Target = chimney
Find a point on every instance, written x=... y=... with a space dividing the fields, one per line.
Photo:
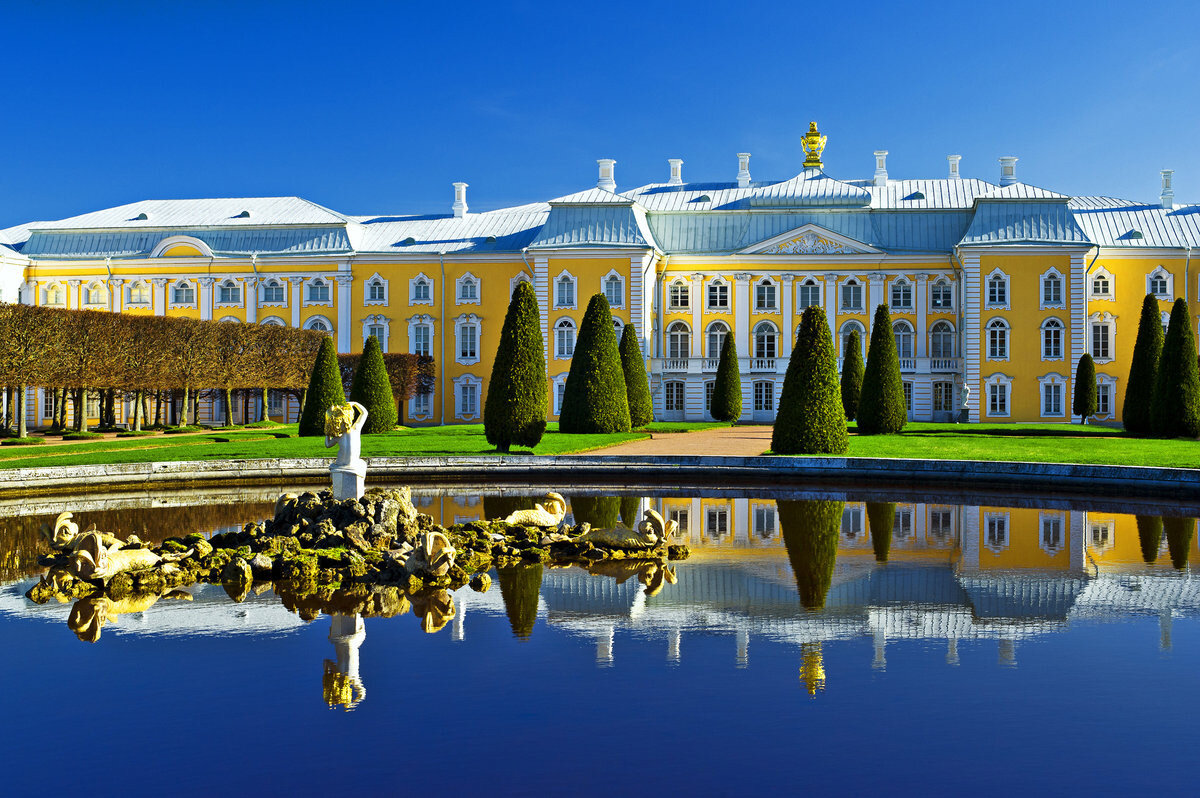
x=881 y=167
x=460 y=200
x=676 y=172
x=954 y=159
x=1008 y=170
x=743 y=176
x=606 y=180
x=1168 y=193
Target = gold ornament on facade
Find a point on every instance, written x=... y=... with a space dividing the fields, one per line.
x=814 y=145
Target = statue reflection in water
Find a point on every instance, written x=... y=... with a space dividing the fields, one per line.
x=88 y=616
x=810 y=534
x=342 y=685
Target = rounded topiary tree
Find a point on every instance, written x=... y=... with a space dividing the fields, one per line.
x=1179 y=532
x=852 y=375
x=727 y=388
x=881 y=517
x=515 y=409
x=519 y=587
x=1175 y=412
x=324 y=390
x=1084 y=404
x=637 y=381
x=595 y=399
x=881 y=407
x=1136 y=412
x=810 y=535
x=810 y=419
x=1150 y=530
x=372 y=389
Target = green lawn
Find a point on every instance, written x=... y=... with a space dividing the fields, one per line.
x=265 y=443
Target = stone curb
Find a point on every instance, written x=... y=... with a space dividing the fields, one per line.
x=1056 y=477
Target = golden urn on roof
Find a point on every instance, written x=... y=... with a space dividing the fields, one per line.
x=814 y=145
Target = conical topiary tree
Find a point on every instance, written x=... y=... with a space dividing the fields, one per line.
x=324 y=390
x=881 y=407
x=810 y=535
x=1180 y=532
x=852 y=375
x=1084 y=404
x=515 y=409
x=595 y=399
x=372 y=389
x=727 y=388
x=810 y=419
x=519 y=587
x=630 y=505
x=1175 y=412
x=637 y=382
x=600 y=512
x=1136 y=412
x=881 y=517
x=1150 y=530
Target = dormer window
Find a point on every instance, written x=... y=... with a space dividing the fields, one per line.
x=318 y=290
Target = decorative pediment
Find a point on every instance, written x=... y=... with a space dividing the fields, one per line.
x=811 y=239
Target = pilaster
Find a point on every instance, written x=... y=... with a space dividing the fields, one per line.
x=344 y=335
x=788 y=323
x=115 y=296
x=159 y=295
x=876 y=295
x=831 y=305
x=970 y=299
x=297 y=295
x=206 y=298
x=250 y=287
x=73 y=296
x=697 y=315
x=741 y=311
x=922 y=315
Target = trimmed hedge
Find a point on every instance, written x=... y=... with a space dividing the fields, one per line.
x=515 y=409
x=22 y=441
x=1136 y=412
x=727 y=389
x=1084 y=402
x=1180 y=532
x=519 y=587
x=324 y=391
x=595 y=399
x=852 y=375
x=372 y=388
x=881 y=407
x=1150 y=531
x=881 y=517
x=811 y=419
x=82 y=436
x=810 y=534
x=1175 y=412
x=637 y=380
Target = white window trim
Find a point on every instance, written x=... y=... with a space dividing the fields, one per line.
x=459 y=382
x=953 y=338
x=667 y=339
x=953 y=296
x=468 y=320
x=1062 y=286
x=708 y=329
x=1110 y=321
x=811 y=282
x=771 y=311
x=986 y=399
x=1062 y=339
x=708 y=307
x=687 y=292
x=1110 y=527
x=774 y=333
x=413 y=413
x=183 y=284
x=1007 y=304
x=558 y=278
x=1046 y=380
x=912 y=334
x=306 y=291
x=380 y=320
x=412 y=290
x=1111 y=382
x=273 y=320
x=519 y=277
x=1111 y=296
x=770 y=508
x=262 y=292
x=554 y=338
x=987 y=518
x=87 y=288
x=421 y=320
x=843 y=331
x=240 y=302
x=376 y=279
x=987 y=343
x=1063 y=529
x=911 y=307
x=62 y=287
x=129 y=294
x=604 y=281
x=841 y=296
x=308 y=323
x=555 y=382
x=1159 y=271
x=458 y=284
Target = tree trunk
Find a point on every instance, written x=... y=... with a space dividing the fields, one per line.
x=81 y=424
x=137 y=412
x=228 y=408
x=263 y=414
x=187 y=397
x=21 y=428
x=196 y=407
x=63 y=399
x=157 y=408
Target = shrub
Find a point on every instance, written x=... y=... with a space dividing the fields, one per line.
x=1150 y=530
x=727 y=389
x=1175 y=412
x=187 y=428
x=881 y=407
x=1136 y=412
x=881 y=517
x=1084 y=404
x=324 y=390
x=372 y=389
x=82 y=436
x=595 y=399
x=515 y=408
x=1180 y=532
x=810 y=419
x=601 y=512
x=519 y=586
x=852 y=375
x=810 y=534
x=22 y=441
x=637 y=381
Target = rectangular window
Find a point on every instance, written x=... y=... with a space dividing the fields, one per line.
x=375 y=292
x=469 y=401
x=230 y=293
x=940 y=297
x=674 y=397
x=560 y=390
x=1104 y=399
x=996 y=530
x=998 y=399
x=1100 y=285
x=614 y=291
x=565 y=293
x=183 y=295
x=902 y=525
x=421 y=404
x=908 y=394
x=48 y=403
x=764 y=296
x=851 y=522
x=716 y=521
x=718 y=296
x=943 y=397
x=810 y=294
x=680 y=296
x=376 y=330
x=421 y=343
x=709 y=388
x=93 y=406
x=318 y=291
x=940 y=525
x=1052 y=291
x=764 y=396
x=997 y=291
x=764 y=521
x=468 y=290
x=468 y=340
x=1052 y=399
x=852 y=296
x=680 y=517
x=902 y=296
x=1100 y=342
x=997 y=342
x=139 y=294
x=420 y=291
x=274 y=403
x=273 y=292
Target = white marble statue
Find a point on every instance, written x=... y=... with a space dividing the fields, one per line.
x=343 y=426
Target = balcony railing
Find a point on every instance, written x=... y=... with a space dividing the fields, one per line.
x=925 y=365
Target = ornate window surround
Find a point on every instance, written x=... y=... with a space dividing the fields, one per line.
x=140 y=281
x=564 y=275
x=564 y=323
x=377 y=319
x=182 y=283
x=459 y=383
x=985 y=400
x=463 y=321
x=1061 y=304
x=458 y=290
x=227 y=283
x=911 y=307
x=412 y=290
x=1053 y=378
x=312 y=282
x=1111 y=296
x=718 y=280
x=311 y=320
x=1108 y=320
x=373 y=280
x=262 y=292
x=987 y=347
x=1159 y=271
x=1007 y=303
x=420 y=320
x=1062 y=338
x=604 y=287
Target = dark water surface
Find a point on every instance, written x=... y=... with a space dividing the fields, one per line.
x=1032 y=645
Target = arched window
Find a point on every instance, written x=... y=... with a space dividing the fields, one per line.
x=614 y=291
x=765 y=340
x=1052 y=344
x=319 y=324
x=809 y=294
x=997 y=290
x=903 y=333
x=94 y=293
x=902 y=295
x=273 y=321
x=850 y=327
x=718 y=294
x=997 y=331
x=55 y=294
x=716 y=338
x=1052 y=290
x=272 y=291
x=618 y=328
x=468 y=289
x=1102 y=285
x=139 y=293
x=229 y=293
x=679 y=340
x=680 y=297
x=564 y=291
x=376 y=290
x=420 y=291
x=564 y=339
x=183 y=293
x=318 y=290
x=941 y=340
x=764 y=295
x=852 y=295
x=1158 y=282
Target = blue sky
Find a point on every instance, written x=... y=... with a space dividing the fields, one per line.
x=378 y=108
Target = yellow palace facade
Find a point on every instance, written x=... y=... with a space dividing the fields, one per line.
x=996 y=288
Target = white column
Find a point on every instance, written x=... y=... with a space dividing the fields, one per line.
x=1078 y=540
x=636 y=299
x=877 y=297
x=159 y=295
x=541 y=286
x=697 y=315
x=115 y=297
x=206 y=298
x=741 y=314
x=970 y=298
x=344 y=334
x=968 y=524
x=788 y=323
x=297 y=293
x=831 y=305
x=1078 y=314
x=74 y=296
x=741 y=523
x=250 y=286
x=922 y=313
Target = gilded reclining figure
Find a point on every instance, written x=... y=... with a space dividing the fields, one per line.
x=550 y=512
x=651 y=533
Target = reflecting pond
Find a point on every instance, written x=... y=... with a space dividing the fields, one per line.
x=835 y=640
